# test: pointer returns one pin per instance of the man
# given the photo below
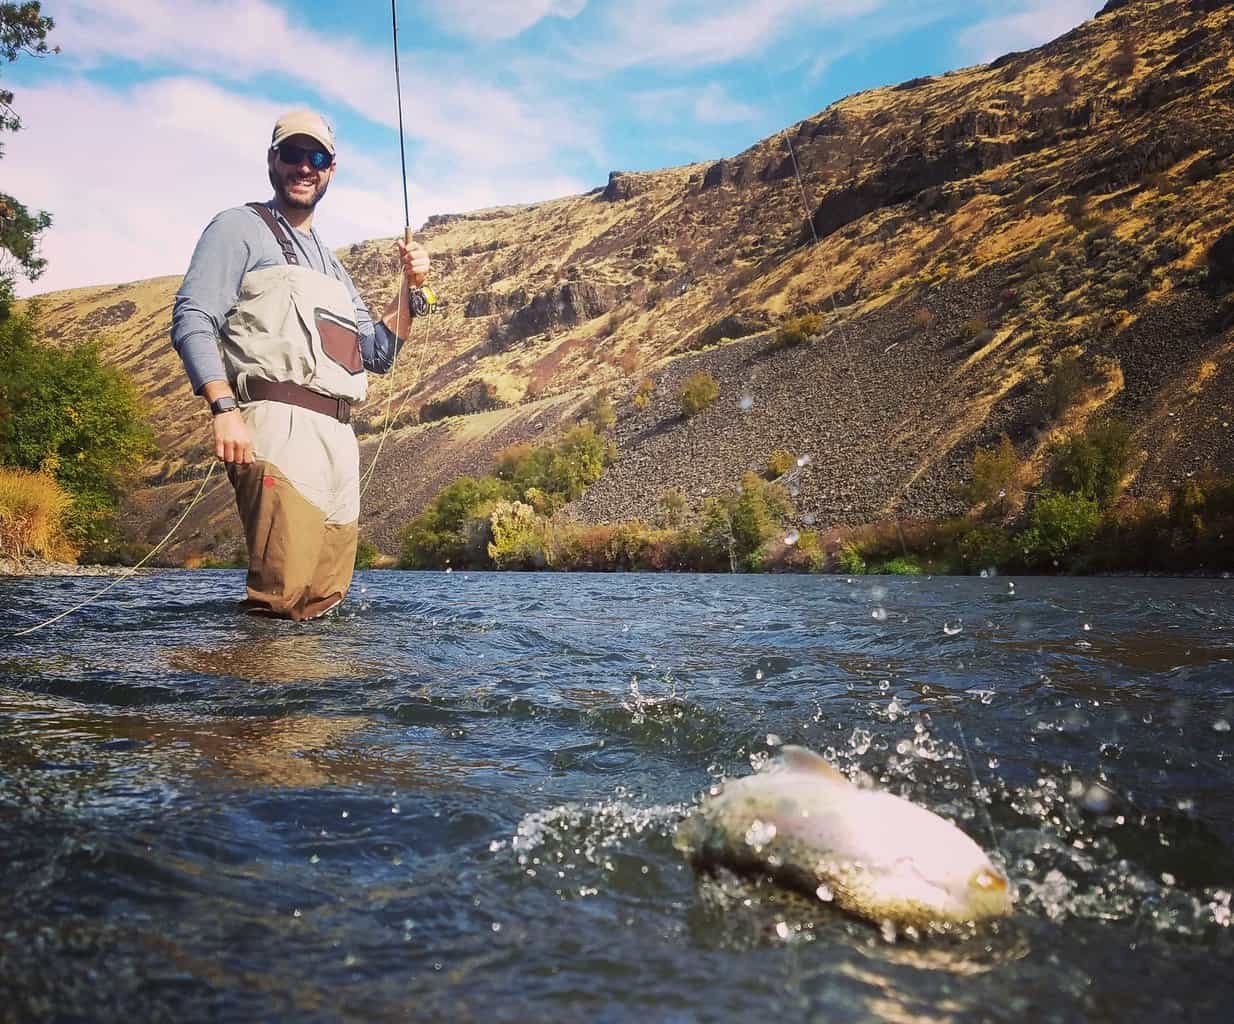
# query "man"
(275, 337)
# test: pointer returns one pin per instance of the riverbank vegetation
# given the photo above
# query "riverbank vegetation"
(1073, 522)
(67, 417)
(32, 509)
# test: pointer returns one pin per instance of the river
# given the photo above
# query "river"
(455, 799)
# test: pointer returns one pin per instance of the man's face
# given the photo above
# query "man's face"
(298, 185)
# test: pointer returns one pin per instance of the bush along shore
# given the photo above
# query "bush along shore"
(1072, 522)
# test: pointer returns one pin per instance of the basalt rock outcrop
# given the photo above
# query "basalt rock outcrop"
(566, 305)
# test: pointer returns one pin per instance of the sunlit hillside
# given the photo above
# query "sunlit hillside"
(962, 238)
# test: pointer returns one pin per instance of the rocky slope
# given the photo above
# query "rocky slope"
(960, 234)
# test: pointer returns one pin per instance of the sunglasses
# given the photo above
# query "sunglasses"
(293, 156)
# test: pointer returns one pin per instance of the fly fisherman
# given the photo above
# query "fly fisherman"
(275, 337)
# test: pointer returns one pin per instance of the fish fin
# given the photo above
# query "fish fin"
(801, 759)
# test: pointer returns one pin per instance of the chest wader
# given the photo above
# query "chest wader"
(292, 353)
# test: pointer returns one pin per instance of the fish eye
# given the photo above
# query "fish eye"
(988, 881)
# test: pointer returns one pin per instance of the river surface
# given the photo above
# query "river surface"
(455, 800)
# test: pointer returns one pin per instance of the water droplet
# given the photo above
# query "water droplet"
(782, 929)
(760, 833)
(344, 814)
(448, 570)
(314, 859)
(879, 614)
(888, 930)
(394, 809)
(296, 912)
(985, 574)
(349, 960)
(1097, 799)
(953, 629)
(759, 674)
(773, 740)
(496, 926)
(825, 893)
(1167, 878)
(860, 741)
(1087, 627)
(1221, 725)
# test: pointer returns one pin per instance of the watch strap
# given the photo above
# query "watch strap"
(226, 403)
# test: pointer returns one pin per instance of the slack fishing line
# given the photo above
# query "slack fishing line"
(132, 571)
(421, 303)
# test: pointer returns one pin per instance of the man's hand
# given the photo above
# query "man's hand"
(232, 442)
(415, 263)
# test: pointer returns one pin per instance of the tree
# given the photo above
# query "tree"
(66, 413)
(23, 29)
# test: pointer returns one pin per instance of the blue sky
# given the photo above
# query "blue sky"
(156, 113)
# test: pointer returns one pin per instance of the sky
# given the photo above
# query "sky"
(156, 114)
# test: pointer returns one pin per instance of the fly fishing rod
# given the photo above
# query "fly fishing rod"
(422, 299)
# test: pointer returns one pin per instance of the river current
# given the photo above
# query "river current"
(455, 800)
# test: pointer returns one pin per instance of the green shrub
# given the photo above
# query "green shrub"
(366, 554)
(779, 463)
(642, 397)
(453, 530)
(598, 411)
(994, 471)
(756, 513)
(698, 393)
(905, 565)
(557, 473)
(673, 507)
(521, 539)
(985, 547)
(798, 330)
(1065, 382)
(1059, 525)
(850, 562)
(1093, 463)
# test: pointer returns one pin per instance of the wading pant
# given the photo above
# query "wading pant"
(299, 502)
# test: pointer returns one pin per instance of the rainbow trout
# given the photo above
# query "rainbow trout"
(800, 821)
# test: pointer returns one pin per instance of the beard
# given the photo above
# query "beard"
(280, 190)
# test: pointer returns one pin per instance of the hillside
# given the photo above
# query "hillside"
(972, 230)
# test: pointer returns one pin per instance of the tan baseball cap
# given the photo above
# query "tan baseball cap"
(303, 122)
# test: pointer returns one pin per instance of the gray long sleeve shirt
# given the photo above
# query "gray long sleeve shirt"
(234, 243)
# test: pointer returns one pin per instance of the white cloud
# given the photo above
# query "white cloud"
(708, 104)
(715, 106)
(501, 19)
(694, 33)
(1025, 24)
(241, 40)
(143, 169)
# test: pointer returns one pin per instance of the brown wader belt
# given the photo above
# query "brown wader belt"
(294, 394)
(283, 391)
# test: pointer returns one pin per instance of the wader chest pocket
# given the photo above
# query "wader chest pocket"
(339, 340)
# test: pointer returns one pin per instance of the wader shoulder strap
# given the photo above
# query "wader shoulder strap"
(285, 243)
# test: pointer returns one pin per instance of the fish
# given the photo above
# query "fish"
(801, 822)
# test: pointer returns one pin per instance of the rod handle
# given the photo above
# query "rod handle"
(417, 279)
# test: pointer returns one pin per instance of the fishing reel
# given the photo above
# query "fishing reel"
(423, 301)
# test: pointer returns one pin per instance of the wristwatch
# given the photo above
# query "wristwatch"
(225, 404)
